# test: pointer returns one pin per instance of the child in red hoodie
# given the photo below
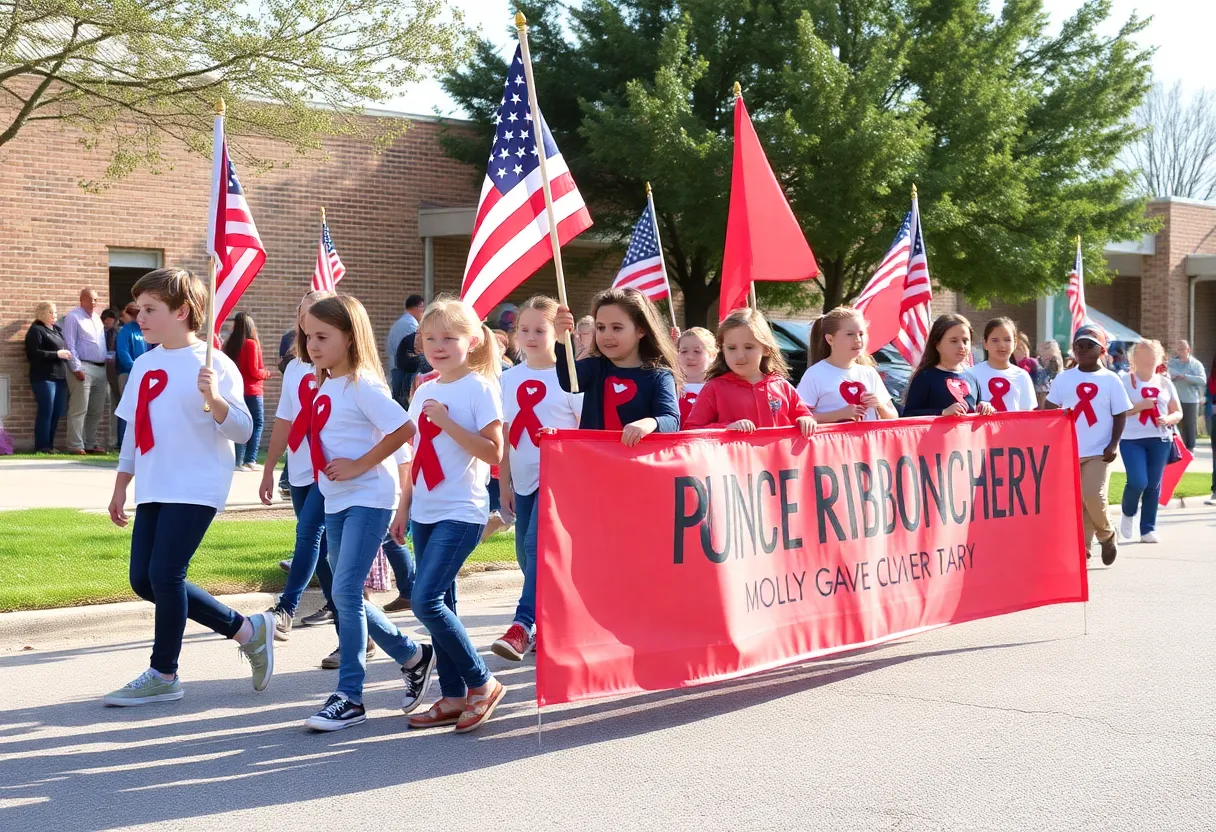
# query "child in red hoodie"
(748, 387)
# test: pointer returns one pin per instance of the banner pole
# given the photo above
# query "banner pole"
(654, 221)
(538, 139)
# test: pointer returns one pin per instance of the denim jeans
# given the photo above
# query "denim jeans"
(247, 454)
(1145, 461)
(309, 506)
(163, 540)
(525, 553)
(402, 563)
(354, 537)
(51, 398)
(441, 549)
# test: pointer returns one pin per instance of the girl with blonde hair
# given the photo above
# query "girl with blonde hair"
(1146, 439)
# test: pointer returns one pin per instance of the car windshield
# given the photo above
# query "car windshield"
(799, 329)
(786, 343)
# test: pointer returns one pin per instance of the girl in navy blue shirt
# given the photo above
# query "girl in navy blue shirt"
(942, 385)
(628, 379)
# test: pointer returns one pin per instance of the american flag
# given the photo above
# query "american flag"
(643, 266)
(232, 238)
(511, 232)
(903, 281)
(329, 270)
(1076, 293)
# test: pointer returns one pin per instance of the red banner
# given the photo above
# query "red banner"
(703, 556)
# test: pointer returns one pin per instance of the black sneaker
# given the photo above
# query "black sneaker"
(1109, 551)
(338, 713)
(322, 616)
(417, 679)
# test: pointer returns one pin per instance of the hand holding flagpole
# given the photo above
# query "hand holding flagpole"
(219, 118)
(538, 136)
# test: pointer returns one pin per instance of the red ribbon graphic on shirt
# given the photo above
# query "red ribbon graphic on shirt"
(959, 389)
(302, 425)
(529, 395)
(687, 401)
(321, 408)
(426, 458)
(1086, 393)
(998, 388)
(1149, 415)
(144, 439)
(853, 392)
(617, 391)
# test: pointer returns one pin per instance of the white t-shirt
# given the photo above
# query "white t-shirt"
(473, 403)
(350, 418)
(537, 390)
(1136, 427)
(190, 458)
(1018, 393)
(299, 461)
(824, 385)
(1109, 399)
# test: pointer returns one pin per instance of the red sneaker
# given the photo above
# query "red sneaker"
(514, 644)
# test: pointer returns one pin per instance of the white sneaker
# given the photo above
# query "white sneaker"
(1151, 537)
(1127, 527)
(1210, 501)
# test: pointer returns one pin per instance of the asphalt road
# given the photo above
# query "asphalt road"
(1016, 723)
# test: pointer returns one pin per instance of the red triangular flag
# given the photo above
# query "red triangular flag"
(763, 240)
(1173, 473)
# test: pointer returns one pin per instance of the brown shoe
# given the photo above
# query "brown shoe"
(77, 451)
(479, 709)
(1110, 551)
(399, 604)
(334, 659)
(435, 716)
(96, 450)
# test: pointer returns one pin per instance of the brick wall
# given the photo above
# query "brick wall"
(1165, 292)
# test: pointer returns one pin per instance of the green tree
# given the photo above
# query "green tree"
(1011, 133)
(131, 72)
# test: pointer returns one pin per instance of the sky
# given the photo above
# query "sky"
(1181, 31)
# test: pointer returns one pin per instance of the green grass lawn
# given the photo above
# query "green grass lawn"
(1193, 484)
(107, 460)
(62, 557)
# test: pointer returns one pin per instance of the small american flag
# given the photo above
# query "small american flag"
(511, 232)
(232, 237)
(1076, 293)
(903, 276)
(329, 270)
(643, 266)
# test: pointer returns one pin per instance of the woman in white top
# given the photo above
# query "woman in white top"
(1146, 439)
(1003, 384)
(841, 385)
(184, 418)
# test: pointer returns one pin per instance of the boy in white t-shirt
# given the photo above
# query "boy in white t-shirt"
(1099, 404)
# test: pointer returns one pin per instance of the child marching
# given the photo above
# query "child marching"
(841, 385)
(942, 384)
(1147, 438)
(532, 400)
(1002, 382)
(180, 456)
(696, 349)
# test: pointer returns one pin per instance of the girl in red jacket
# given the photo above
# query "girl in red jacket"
(748, 387)
(245, 350)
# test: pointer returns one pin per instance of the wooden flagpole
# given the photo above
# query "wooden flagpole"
(654, 221)
(538, 139)
(219, 111)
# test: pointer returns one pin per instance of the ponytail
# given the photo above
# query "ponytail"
(829, 323)
(484, 358)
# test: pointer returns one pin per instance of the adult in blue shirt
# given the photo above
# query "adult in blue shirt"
(415, 305)
(129, 345)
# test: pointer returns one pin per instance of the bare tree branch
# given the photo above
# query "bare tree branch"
(1176, 155)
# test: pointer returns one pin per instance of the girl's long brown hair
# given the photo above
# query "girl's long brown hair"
(941, 326)
(347, 315)
(243, 329)
(655, 349)
(829, 323)
(753, 321)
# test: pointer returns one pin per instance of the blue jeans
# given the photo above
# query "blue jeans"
(1145, 462)
(247, 454)
(402, 563)
(525, 554)
(354, 537)
(163, 540)
(52, 400)
(309, 506)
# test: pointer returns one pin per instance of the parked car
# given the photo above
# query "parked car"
(794, 336)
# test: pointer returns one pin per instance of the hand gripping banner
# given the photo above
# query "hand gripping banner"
(703, 556)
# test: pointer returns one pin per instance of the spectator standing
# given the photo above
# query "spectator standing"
(111, 324)
(84, 337)
(406, 325)
(584, 335)
(245, 350)
(1051, 364)
(48, 356)
(1191, 379)
(128, 346)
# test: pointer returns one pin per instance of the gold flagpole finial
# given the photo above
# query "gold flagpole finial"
(1078, 240)
(914, 190)
(219, 107)
(738, 90)
(647, 189)
(520, 21)
(322, 214)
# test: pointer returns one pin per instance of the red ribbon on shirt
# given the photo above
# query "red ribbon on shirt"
(1086, 393)
(529, 395)
(617, 391)
(144, 439)
(998, 388)
(322, 407)
(687, 402)
(426, 460)
(302, 425)
(1149, 415)
(853, 392)
(959, 389)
